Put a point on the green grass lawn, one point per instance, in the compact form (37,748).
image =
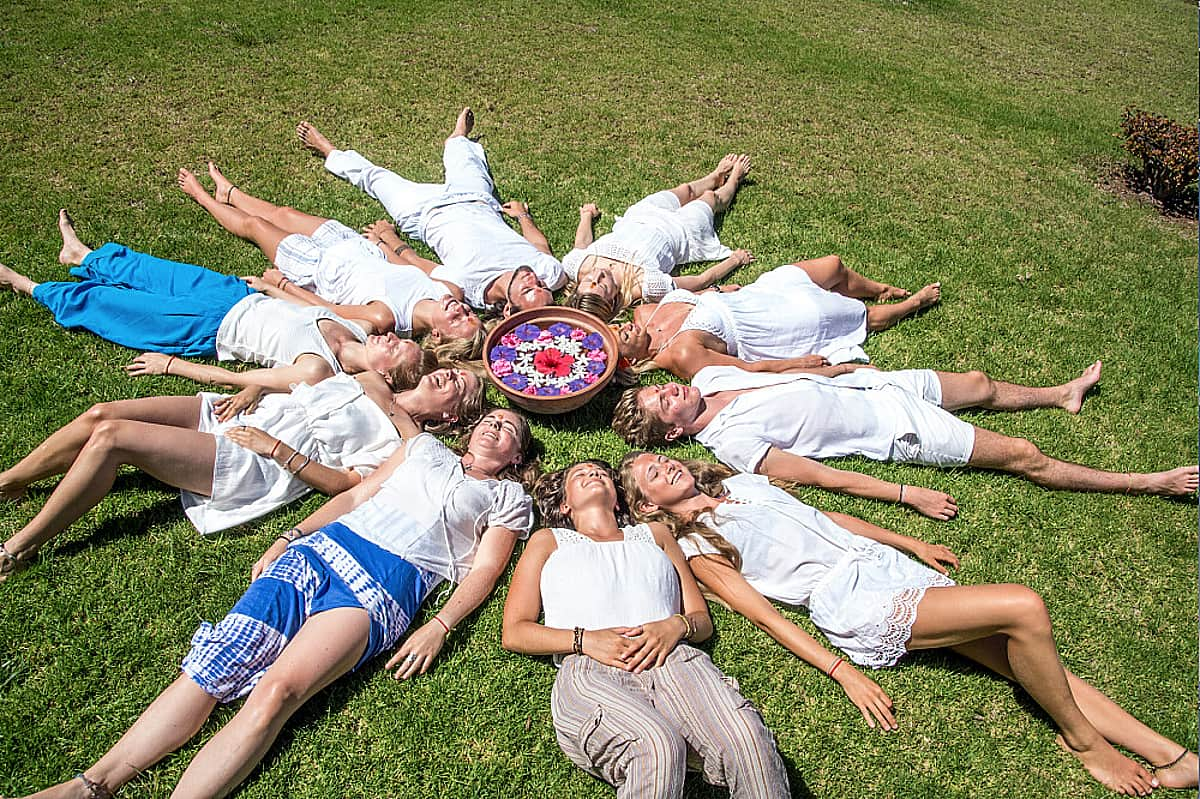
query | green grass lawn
(921,140)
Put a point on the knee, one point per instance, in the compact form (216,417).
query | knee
(271,700)
(981,384)
(107,435)
(1025,457)
(258,228)
(1029,612)
(657,756)
(746,747)
(100,412)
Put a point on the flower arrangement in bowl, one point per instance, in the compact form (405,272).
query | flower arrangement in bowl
(551,360)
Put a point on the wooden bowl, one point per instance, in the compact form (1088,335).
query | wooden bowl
(544,317)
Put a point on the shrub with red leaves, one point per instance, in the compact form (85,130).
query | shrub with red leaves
(1166,155)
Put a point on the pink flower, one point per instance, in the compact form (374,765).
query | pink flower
(597,355)
(501,368)
(590,378)
(578,335)
(509,340)
(545,335)
(530,390)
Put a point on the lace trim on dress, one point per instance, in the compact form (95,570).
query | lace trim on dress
(900,619)
(709,319)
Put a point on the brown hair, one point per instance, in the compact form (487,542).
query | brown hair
(470,410)
(709,477)
(460,350)
(551,490)
(529,468)
(593,303)
(406,376)
(633,423)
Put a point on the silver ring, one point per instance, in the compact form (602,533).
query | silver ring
(410,657)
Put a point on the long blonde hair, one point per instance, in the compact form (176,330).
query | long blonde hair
(709,479)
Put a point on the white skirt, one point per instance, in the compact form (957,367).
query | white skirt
(867,603)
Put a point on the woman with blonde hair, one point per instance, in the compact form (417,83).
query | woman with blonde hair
(750,542)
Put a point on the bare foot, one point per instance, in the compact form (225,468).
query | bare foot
(1112,769)
(1180,775)
(11,491)
(73,250)
(71,789)
(929,295)
(1175,483)
(739,170)
(724,167)
(190,184)
(1077,388)
(224,189)
(312,138)
(890,293)
(15,281)
(464,123)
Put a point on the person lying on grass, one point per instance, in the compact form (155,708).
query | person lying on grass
(330,595)
(148,303)
(632,696)
(460,220)
(235,458)
(807,314)
(749,542)
(634,262)
(783,425)
(324,263)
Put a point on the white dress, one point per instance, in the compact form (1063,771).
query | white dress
(432,515)
(334,422)
(783,314)
(862,594)
(884,416)
(657,235)
(342,267)
(271,332)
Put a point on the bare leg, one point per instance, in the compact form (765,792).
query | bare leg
(464,124)
(976,389)
(325,648)
(56,454)
(167,724)
(1016,455)
(252,228)
(1007,627)
(831,274)
(311,138)
(73,250)
(16,282)
(721,198)
(686,192)
(280,216)
(178,457)
(881,317)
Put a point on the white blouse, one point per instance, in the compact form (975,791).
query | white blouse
(432,515)
(272,332)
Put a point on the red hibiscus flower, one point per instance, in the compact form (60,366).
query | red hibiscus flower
(553,362)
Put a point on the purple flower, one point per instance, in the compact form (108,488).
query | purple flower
(547,391)
(593,341)
(560,329)
(596,367)
(517,382)
(502,354)
(577,385)
(527,331)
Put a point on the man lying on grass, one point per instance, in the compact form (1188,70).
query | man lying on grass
(781,425)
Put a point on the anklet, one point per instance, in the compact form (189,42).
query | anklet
(96,789)
(229,195)
(1182,755)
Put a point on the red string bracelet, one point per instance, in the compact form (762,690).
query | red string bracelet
(445,626)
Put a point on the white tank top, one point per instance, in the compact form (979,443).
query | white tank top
(271,332)
(598,584)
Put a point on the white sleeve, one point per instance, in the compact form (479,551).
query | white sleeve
(511,508)
(694,546)
(656,285)
(572,261)
(742,454)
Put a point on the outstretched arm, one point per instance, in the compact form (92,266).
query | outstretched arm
(531,232)
(935,555)
(926,501)
(728,583)
(307,369)
(588,214)
(687,354)
(715,272)
(416,654)
(395,249)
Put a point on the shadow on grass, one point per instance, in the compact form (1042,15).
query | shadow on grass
(946,660)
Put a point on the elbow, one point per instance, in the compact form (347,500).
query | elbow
(511,638)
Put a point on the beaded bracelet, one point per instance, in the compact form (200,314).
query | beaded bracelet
(577,645)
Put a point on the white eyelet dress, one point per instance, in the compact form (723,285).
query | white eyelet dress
(862,594)
(635,730)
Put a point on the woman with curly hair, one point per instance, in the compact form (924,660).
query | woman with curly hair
(750,542)
(632,696)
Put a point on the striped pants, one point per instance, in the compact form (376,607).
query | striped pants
(635,731)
